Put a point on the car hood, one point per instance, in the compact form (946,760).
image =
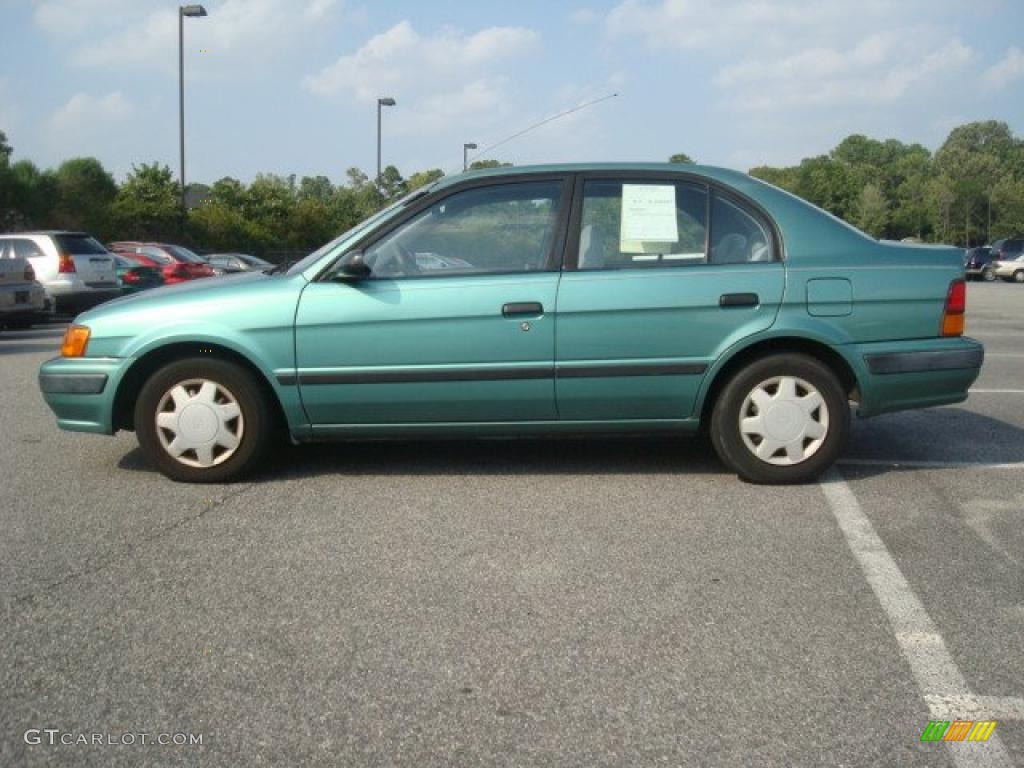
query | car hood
(185,292)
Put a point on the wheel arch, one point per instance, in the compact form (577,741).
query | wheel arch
(123,411)
(743,356)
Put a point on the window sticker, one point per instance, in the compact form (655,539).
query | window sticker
(648,218)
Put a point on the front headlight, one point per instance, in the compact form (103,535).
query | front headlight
(76,338)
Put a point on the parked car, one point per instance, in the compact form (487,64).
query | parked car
(978,263)
(22,298)
(229,263)
(573,298)
(1008,248)
(1010,268)
(177,262)
(135,276)
(75,270)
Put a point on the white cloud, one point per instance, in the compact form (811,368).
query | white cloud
(1006,71)
(85,114)
(237,35)
(438,80)
(785,53)
(402,58)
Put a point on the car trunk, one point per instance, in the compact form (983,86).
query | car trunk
(92,262)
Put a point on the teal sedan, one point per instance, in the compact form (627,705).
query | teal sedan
(538,300)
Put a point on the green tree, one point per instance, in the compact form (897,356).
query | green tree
(147,205)
(84,194)
(229,192)
(315,188)
(1008,207)
(477,165)
(680,157)
(391,184)
(6,150)
(422,178)
(871,212)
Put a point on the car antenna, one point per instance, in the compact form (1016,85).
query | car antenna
(545,121)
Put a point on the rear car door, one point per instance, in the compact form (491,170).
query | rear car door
(455,322)
(662,275)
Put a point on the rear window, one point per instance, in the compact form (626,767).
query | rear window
(79,244)
(184,254)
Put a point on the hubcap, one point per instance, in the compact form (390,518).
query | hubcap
(199,423)
(783,421)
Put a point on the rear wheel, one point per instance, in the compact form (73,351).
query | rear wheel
(988,275)
(782,419)
(203,420)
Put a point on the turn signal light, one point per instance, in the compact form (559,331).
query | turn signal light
(956,305)
(66,264)
(76,337)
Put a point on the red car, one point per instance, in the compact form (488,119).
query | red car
(177,262)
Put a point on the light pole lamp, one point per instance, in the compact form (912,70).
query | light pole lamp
(465,154)
(192,11)
(387,101)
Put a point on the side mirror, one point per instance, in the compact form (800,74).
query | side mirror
(354,267)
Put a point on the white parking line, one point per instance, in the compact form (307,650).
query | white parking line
(934,671)
(975,707)
(997,391)
(915,464)
(1004,354)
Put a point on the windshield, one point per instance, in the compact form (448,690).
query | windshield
(79,244)
(387,213)
(184,254)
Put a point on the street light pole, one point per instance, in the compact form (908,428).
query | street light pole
(192,11)
(465,155)
(387,101)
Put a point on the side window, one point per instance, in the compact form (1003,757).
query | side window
(488,230)
(737,236)
(642,224)
(26,249)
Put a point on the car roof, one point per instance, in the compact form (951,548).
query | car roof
(46,232)
(722,174)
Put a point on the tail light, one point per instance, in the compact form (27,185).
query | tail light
(131,277)
(66,264)
(30,274)
(956,305)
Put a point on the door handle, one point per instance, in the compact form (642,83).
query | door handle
(738,300)
(518,308)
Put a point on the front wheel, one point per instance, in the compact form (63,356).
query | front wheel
(1018,276)
(782,419)
(202,420)
(988,275)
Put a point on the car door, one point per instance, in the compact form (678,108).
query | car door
(662,275)
(454,322)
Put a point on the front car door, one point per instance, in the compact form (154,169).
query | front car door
(454,324)
(662,275)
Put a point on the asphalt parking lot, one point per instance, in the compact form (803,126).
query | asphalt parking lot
(562,603)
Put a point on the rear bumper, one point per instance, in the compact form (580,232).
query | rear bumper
(80,391)
(78,302)
(897,376)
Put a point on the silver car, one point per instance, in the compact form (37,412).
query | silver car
(75,270)
(1011,268)
(22,299)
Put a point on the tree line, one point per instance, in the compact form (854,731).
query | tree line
(969,191)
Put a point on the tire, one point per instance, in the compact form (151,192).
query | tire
(1018,276)
(785,380)
(988,275)
(228,423)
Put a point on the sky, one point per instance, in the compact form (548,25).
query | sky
(291,86)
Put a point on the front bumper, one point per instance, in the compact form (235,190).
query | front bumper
(81,390)
(897,376)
